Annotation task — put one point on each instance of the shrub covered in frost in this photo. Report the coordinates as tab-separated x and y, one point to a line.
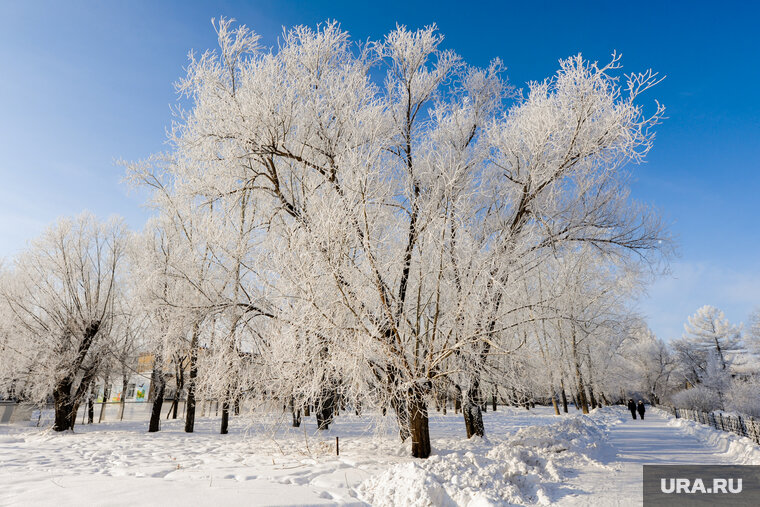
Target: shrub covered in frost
744	397
697	398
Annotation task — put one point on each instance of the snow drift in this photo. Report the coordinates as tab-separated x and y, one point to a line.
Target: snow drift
526	468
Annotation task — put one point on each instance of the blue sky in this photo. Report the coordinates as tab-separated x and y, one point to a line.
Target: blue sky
83	84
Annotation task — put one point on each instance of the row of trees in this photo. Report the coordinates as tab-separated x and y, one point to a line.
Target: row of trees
378	224
714	365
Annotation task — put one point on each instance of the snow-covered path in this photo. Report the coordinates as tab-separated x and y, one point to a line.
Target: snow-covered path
653	441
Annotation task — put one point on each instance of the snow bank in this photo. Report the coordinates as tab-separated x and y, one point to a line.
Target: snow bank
580	434
738	449
527	468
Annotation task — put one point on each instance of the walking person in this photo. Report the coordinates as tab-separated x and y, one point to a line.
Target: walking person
632	407
641	409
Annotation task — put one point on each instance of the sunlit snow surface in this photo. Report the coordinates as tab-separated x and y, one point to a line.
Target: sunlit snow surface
529	457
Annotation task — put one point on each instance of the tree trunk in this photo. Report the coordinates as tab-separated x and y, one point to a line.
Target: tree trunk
582	396
106	395
64	406
564	396
179	381
193	374
173	408
225	415
90	408
578	375
67	401
158	388
296	413
591	396
123	399
493	400
473	417
554	403
418	425
325	409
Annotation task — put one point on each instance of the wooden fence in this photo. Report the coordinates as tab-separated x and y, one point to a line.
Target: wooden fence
745	426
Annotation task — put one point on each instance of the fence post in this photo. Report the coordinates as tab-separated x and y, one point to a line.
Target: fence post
755	436
722	426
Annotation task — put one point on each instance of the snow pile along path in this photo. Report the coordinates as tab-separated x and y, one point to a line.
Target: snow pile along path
741	450
528	468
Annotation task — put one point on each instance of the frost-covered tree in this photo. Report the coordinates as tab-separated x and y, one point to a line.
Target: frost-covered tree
385	230
162	299
697	398
126	341
62	293
705	354
185	281
708	336
652	363
744	396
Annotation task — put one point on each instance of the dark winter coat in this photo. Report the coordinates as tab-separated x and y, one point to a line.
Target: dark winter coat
641	409
632	406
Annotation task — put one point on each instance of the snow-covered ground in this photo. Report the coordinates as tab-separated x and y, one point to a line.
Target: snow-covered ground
529	457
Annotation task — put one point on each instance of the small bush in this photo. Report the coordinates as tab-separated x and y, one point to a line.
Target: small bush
697	398
744	397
